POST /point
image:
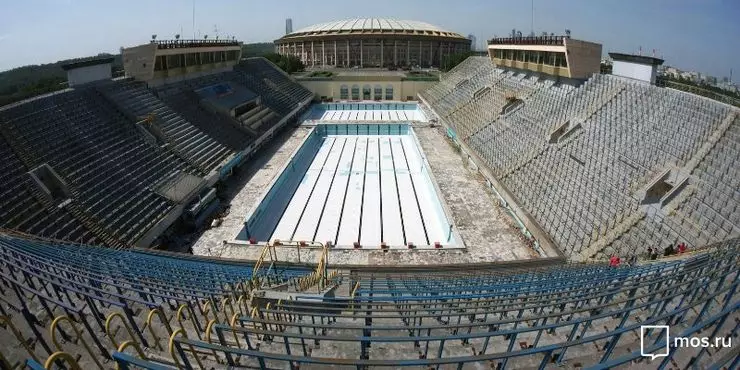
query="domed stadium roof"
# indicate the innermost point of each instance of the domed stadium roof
(373, 26)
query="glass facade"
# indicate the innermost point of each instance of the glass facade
(165, 62)
(549, 58)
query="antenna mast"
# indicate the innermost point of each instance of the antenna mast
(531, 31)
(193, 19)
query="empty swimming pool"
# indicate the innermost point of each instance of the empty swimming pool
(353, 183)
(366, 112)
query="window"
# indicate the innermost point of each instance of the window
(366, 92)
(344, 92)
(549, 58)
(378, 92)
(560, 60)
(355, 92)
(159, 63)
(389, 92)
(563, 61)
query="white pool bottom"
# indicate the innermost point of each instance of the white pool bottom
(388, 115)
(366, 189)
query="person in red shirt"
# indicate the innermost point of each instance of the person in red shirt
(614, 261)
(682, 248)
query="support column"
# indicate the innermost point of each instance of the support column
(421, 52)
(346, 63)
(335, 53)
(361, 56)
(408, 53)
(395, 53)
(381, 55)
(313, 59)
(323, 54)
(440, 52)
(431, 53)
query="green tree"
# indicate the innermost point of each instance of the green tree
(449, 62)
(287, 63)
(257, 49)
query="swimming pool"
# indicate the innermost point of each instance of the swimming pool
(366, 112)
(353, 183)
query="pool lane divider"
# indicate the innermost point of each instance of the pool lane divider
(313, 187)
(333, 176)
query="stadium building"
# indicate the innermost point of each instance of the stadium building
(372, 42)
(476, 227)
(552, 55)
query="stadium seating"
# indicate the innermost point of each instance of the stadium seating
(181, 98)
(92, 287)
(107, 165)
(113, 143)
(277, 90)
(578, 159)
(20, 210)
(153, 310)
(185, 139)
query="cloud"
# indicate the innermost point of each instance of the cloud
(4, 37)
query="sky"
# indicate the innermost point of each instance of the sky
(700, 35)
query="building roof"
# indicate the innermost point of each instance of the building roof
(636, 59)
(87, 63)
(373, 25)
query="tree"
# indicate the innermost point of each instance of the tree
(449, 62)
(288, 63)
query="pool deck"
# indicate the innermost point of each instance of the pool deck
(475, 212)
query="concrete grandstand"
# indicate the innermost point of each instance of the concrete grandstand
(469, 230)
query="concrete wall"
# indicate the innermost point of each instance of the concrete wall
(138, 61)
(83, 75)
(401, 89)
(584, 58)
(642, 72)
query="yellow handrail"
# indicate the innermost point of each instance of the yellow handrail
(252, 315)
(242, 302)
(267, 308)
(112, 335)
(178, 315)
(261, 260)
(208, 307)
(125, 345)
(53, 332)
(171, 348)
(209, 329)
(354, 291)
(62, 356)
(164, 320)
(232, 323)
(5, 321)
(227, 302)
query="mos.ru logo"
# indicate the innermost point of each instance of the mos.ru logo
(648, 350)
